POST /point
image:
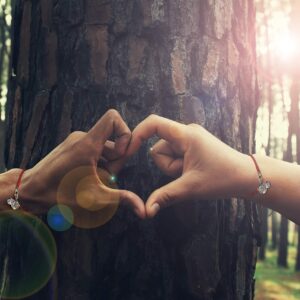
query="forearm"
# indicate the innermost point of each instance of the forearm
(8, 182)
(284, 194)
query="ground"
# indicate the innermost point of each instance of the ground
(274, 283)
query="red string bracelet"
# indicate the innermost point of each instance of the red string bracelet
(263, 185)
(14, 201)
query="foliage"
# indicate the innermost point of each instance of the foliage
(275, 283)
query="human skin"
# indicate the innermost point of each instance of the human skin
(39, 184)
(203, 167)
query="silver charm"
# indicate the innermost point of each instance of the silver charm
(13, 203)
(264, 187)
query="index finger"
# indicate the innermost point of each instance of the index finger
(111, 123)
(169, 130)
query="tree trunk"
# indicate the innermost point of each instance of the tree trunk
(283, 243)
(274, 230)
(298, 252)
(294, 93)
(192, 61)
(264, 234)
(4, 69)
(293, 240)
(2, 133)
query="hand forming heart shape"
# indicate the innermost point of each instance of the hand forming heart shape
(194, 157)
(202, 165)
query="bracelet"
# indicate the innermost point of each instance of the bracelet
(14, 200)
(264, 185)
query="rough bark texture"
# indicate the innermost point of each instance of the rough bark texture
(2, 137)
(297, 267)
(264, 234)
(283, 243)
(192, 61)
(274, 231)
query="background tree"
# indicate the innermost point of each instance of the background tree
(283, 243)
(265, 211)
(278, 54)
(2, 167)
(297, 267)
(5, 17)
(295, 92)
(192, 61)
(293, 119)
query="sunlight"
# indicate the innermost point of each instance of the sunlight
(287, 47)
(277, 47)
(275, 36)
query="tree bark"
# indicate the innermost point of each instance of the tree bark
(283, 243)
(264, 234)
(297, 267)
(191, 61)
(2, 138)
(294, 116)
(274, 230)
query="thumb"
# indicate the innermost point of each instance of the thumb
(167, 195)
(166, 159)
(134, 201)
(95, 194)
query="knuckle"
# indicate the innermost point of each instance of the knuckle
(127, 133)
(165, 200)
(194, 125)
(164, 197)
(152, 117)
(76, 135)
(153, 151)
(81, 143)
(113, 113)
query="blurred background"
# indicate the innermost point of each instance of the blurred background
(5, 43)
(278, 135)
(277, 131)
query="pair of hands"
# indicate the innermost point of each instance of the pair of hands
(202, 166)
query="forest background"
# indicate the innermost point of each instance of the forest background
(277, 130)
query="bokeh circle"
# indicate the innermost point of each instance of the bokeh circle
(60, 217)
(28, 254)
(92, 193)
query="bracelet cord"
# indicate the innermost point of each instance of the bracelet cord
(14, 201)
(264, 185)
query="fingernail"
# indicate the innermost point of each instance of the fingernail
(140, 214)
(155, 207)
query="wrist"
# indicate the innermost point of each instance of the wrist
(248, 178)
(27, 188)
(8, 181)
(256, 181)
(34, 193)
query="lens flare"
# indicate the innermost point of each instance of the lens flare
(113, 178)
(28, 254)
(287, 47)
(60, 218)
(93, 193)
